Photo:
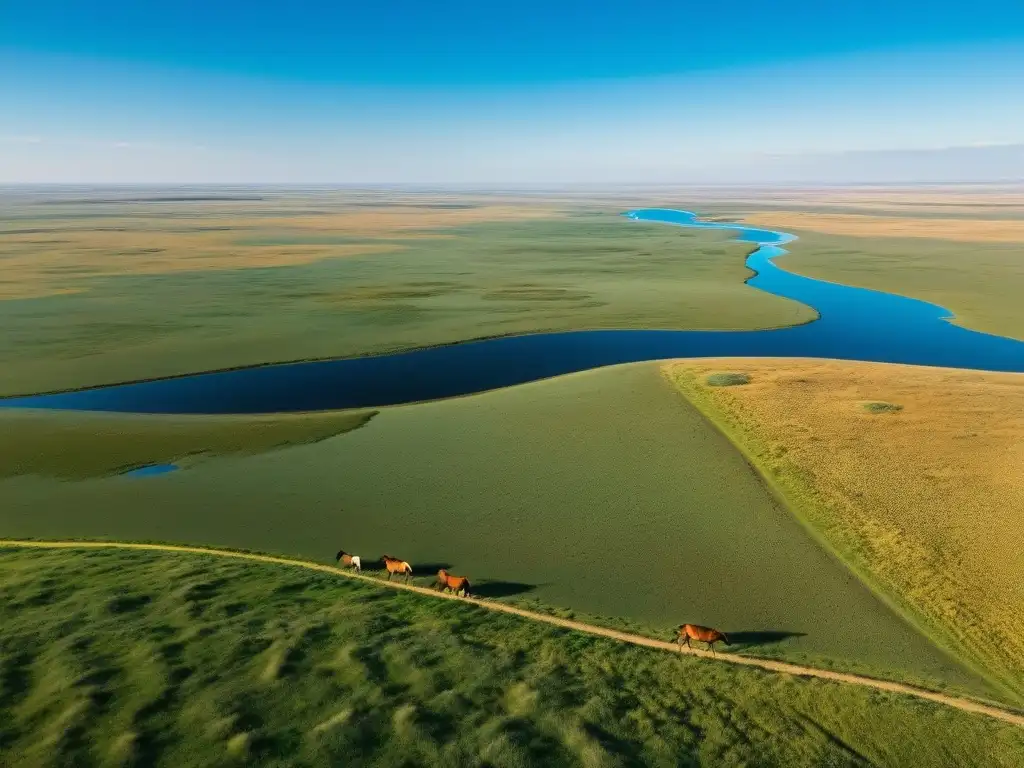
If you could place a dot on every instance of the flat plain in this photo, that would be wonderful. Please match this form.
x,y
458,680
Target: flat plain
x,y
116,291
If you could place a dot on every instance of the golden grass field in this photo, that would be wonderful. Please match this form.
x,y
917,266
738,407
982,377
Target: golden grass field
x,y
57,258
957,230
928,500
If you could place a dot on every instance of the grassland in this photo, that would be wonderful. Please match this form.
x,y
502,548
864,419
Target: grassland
x,y
924,496
184,660
973,267
601,495
656,518
991,202
113,292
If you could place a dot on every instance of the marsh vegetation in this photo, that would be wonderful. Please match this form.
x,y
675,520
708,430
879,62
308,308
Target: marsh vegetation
x,y
203,286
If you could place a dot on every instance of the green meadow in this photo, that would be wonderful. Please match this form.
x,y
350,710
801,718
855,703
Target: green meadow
x,y
129,658
589,270
602,492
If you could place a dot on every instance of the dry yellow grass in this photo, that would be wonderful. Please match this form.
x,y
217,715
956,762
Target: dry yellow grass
x,y
34,272
957,230
927,501
59,257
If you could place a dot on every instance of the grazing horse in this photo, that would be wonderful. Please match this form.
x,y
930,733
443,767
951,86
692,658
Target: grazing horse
x,y
394,565
455,583
345,560
688,632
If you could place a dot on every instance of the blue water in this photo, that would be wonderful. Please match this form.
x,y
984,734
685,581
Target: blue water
x,y
150,470
855,324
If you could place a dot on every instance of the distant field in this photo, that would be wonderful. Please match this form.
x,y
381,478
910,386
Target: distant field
x,y
912,474
993,202
181,660
108,292
981,282
600,492
962,230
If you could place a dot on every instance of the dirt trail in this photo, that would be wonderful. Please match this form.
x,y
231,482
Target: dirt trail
x,y
965,704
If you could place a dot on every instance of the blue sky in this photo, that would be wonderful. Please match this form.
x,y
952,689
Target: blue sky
x,y
484,92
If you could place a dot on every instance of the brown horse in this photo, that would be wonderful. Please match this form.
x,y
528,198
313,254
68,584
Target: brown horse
x,y
345,560
688,632
455,583
394,565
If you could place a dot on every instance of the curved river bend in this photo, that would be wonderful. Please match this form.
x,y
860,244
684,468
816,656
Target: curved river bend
x,y
855,324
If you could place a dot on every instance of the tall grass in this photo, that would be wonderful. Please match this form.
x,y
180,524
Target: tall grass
x,y
115,658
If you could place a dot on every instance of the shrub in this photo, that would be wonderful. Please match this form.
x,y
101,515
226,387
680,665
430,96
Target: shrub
x,y
882,407
727,379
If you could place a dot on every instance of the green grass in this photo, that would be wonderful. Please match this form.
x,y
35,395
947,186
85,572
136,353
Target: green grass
x,y
587,271
981,283
120,658
728,379
601,493
76,446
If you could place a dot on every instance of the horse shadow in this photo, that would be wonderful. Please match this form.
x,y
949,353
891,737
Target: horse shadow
x,y
495,589
428,569
418,569
758,637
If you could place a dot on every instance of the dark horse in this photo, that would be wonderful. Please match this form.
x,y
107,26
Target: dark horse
x,y
345,560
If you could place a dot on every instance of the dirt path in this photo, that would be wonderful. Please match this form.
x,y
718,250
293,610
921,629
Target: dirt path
x,y
965,704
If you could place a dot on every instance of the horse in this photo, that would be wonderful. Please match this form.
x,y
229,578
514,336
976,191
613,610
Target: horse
x,y
687,632
455,583
345,560
394,565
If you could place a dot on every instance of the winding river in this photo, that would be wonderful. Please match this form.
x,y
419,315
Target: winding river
x,y
854,324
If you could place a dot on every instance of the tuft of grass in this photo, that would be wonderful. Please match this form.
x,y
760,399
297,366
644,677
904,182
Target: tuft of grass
x,y
882,407
727,379
377,677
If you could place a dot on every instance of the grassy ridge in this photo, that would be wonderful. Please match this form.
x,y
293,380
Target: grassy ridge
x,y
918,495
113,658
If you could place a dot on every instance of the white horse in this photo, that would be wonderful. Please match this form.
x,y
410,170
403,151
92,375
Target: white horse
x,y
345,560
